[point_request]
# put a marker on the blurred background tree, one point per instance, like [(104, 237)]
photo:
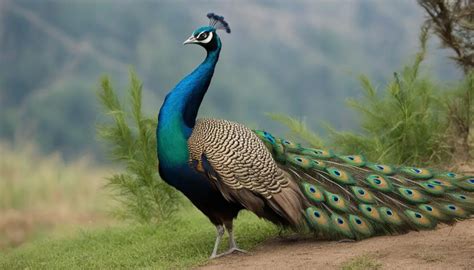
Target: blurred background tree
[(453, 23)]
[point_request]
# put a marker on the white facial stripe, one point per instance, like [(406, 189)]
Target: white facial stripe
[(208, 39)]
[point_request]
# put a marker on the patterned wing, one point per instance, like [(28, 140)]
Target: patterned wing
[(238, 156), (242, 168)]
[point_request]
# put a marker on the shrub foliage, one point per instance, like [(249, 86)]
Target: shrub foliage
[(410, 121), (403, 124), (143, 196)]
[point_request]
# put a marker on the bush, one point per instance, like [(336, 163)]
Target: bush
[(409, 122), (143, 196), (460, 109), (405, 124)]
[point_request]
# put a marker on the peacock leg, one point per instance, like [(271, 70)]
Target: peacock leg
[(220, 233), (232, 244)]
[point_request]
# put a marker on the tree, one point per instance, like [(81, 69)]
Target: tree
[(453, 22)]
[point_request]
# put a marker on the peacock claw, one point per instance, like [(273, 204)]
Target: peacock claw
[(235, 249), (230, 251)]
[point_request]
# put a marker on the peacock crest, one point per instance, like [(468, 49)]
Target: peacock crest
[(218, 22)]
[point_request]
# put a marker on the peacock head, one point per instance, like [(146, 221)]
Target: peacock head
[(206, 36)]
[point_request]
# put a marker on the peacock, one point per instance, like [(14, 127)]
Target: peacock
[(223, 167)]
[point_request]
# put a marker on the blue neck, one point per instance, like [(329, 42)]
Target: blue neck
[(178, 113)]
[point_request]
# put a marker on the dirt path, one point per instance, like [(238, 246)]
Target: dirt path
[(444, 248)]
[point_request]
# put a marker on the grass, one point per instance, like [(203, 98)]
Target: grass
[(53, 216), (40, 194), (363, 262), (184, 242)]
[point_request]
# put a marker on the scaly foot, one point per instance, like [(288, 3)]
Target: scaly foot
[(230, 251), (236, 249)]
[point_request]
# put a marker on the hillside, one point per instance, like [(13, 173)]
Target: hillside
[(302, 59)]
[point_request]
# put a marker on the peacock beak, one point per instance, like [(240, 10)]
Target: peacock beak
[(190, 40)]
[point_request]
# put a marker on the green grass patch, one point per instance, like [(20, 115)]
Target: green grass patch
[(363, 262), (182, 242)]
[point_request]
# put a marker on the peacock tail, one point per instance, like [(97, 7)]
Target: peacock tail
[(350, 197)]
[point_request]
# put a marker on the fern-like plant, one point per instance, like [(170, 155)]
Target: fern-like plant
[(405, 124), (130, 136)]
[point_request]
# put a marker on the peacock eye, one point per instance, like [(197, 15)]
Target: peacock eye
[(202, 36)]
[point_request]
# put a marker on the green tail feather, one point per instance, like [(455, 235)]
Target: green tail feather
[(454, 210), (341, 226), (416, 173), (341, 176), (433, 212), (354, 160), (432, 189), (412, 195), (466, 184), (383, 169), (316, 153), (336, 202), (464, 199), (420, 220), (363, 194), (313, 192), (360, 226), (379, 183), (390, 216), (371, 212), (351, 197), (447, 184), (318, 219)]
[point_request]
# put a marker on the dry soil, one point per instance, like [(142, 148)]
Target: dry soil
[(444, 248)]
